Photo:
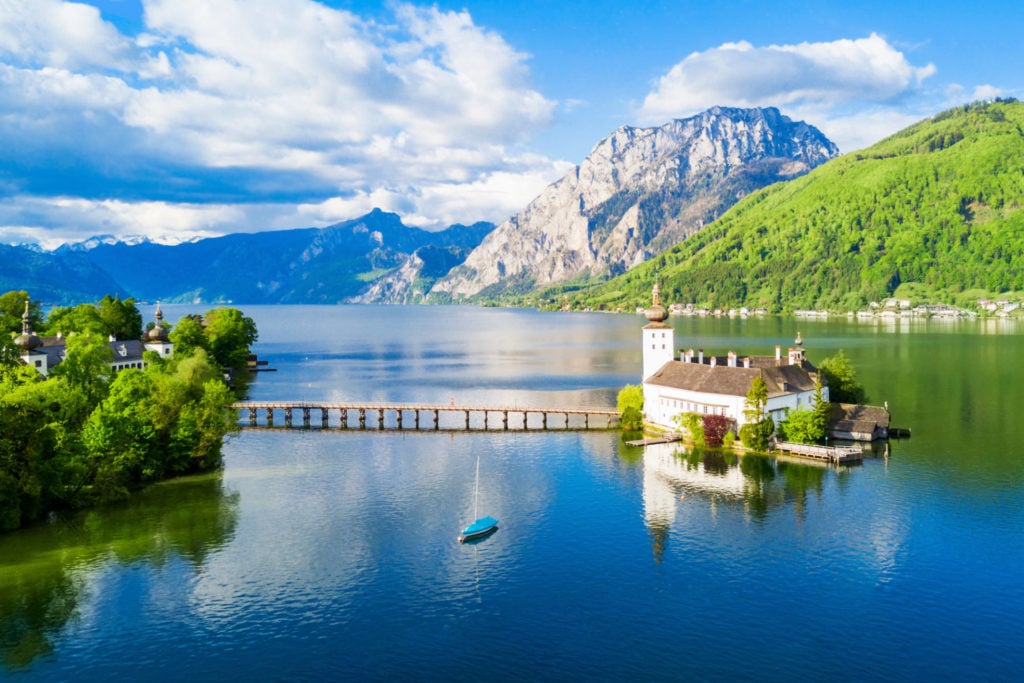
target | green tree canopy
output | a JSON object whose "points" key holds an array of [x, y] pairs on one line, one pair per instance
{"points": [[12, 307], [230, 335], [188, 335], [120, 318], [842, 379]]}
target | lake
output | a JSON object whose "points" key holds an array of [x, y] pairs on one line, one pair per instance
{"points": [[322, 554]]}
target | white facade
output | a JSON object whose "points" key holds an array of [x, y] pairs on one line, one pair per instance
{"points": [[659, 340], [711, 385]]}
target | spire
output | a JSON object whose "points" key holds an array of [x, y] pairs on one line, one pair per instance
{"points": [[157, 333], [656, 313], [26, 340]]}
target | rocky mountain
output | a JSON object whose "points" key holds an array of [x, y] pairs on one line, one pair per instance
{"points": [[372, 258], [640, 191], [931, 214]]}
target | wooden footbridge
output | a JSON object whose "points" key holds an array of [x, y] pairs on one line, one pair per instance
{"points": [[417, 416]]}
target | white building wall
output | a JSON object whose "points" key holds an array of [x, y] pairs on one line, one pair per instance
{"points": [[662, 404], [658, 348]]}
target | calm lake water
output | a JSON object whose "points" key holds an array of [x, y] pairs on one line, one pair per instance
{"points": [[332, 555]]}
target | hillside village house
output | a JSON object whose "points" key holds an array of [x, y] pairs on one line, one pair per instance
{"points": [[717, 385], [43, 353]]}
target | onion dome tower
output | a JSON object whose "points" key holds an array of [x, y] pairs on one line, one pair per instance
{"points": [[659, 338], [27, 341], [156, 339]]}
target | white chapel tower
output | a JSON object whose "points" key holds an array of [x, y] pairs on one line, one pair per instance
{"points": [[659, 338]]}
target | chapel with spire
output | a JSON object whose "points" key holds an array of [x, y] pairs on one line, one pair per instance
{"points": [[44, 353]]}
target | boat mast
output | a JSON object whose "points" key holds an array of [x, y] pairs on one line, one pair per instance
{"points": [[476, 488]]}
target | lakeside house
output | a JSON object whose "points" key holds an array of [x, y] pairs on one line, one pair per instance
{"points": [[686, 381], [44, 353]]}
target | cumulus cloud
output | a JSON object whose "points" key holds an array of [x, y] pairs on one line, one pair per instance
{"points": [[260, 101], [833, 80]]}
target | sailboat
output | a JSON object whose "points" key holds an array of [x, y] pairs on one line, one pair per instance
{"points": [[483, 525]]}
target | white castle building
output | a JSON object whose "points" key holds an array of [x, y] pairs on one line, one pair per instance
{"points": [[688, 382], [43, 353]]}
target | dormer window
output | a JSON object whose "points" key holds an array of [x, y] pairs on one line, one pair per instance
{"points": [[122, 351]]}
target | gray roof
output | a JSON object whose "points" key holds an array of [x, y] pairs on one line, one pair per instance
{"points": [[724, 380], [852, 418]]}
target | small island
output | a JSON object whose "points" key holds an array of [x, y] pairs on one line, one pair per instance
{"points": [[93, 407]]}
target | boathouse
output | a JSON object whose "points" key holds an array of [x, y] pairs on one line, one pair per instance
{"points": [[686, 381], [858, 422]]}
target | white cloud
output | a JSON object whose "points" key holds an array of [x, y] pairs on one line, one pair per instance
{"points": [[835, 80], [60, 34], [272, 100]]}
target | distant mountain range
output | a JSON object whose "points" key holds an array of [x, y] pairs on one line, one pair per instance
{"points": [[336, 264], [640, 191]]}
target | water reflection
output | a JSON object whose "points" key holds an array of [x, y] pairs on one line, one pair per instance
{"points": [[675, 476], [46, 571]]}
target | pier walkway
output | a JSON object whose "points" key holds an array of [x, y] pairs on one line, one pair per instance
{"points": [[829, 453], [422, 415]]}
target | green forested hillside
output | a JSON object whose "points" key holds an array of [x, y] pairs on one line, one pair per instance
{"points": [[939, 204]]}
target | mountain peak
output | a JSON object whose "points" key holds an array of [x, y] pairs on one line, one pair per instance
{"points": [[639, 191]]}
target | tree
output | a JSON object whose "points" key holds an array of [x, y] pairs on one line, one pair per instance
{"points": [[188, 335], [822, 409], [693, 424], [230, 334], [80, 318], [800, 427], [120, 318], [630, 403], [715, 428], [12, 307], [842, 380], [759, 427], [86, 364]]}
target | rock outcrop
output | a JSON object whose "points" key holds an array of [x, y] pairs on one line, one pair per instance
{"points": [[640, 191]]}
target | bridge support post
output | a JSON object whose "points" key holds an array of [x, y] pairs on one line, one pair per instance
{"points": [[343, 423], [305, 417], [362, 418], [544, 420], [467, 420], [270, 417], [398, 415], [252, 417], [380, 418], [417, 419], [485, 420], [323, 418], [435, 418], [567, 420], [287, 417], [504, 420]]}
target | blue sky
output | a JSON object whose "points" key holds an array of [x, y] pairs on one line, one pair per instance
{"points": [[177, 119]]}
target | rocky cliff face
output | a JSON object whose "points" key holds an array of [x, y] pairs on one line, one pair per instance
{"points": [[640, 191]]}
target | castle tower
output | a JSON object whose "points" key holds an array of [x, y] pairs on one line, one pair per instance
{"points": [[658, 338], [31, 345], [156, 339]]}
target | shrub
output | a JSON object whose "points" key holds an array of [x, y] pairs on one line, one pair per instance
{"points": [[715, 427]]}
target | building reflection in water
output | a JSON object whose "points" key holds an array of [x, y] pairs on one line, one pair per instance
{"points": [[676, 475]]}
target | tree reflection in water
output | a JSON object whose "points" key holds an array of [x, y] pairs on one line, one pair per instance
{"points": [[44, 570]]}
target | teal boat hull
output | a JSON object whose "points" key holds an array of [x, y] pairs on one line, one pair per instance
{"points": [[478, 529]]}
